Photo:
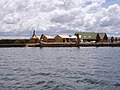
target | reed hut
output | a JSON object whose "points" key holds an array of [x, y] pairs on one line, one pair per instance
{"points": [[34, 38], [65, 38], [47, 38]]}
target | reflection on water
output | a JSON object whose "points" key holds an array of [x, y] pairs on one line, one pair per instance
{"points": [[85, 68]]}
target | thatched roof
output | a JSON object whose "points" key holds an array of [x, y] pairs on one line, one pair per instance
{"points": [[102, 35], [67, 36]]}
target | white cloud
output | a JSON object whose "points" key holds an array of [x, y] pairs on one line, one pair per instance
{"points": [[110, 21], [12, 18], [59, 16]]}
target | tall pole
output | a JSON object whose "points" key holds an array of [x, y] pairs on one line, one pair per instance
{"points": [[33, 33]]}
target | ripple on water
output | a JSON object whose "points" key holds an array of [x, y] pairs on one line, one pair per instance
{"points": [[49, 85], [41, 73], [117, 84], [9, 78], [63, 87], [92, 81], [85, 73], [40, 82]]}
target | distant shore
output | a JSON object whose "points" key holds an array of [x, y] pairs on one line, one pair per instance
{"points": [[90, 44], [79, 39]]}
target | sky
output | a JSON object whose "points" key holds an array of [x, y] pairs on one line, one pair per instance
{"points": [[21, 17]]}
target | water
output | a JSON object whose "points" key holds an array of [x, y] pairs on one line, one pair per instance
{"points": [[85, 68]]}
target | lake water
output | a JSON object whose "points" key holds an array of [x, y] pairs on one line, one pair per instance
{"points": [[84, 68]]}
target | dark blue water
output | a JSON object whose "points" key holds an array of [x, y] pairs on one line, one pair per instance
{"points": [[85, 68]]}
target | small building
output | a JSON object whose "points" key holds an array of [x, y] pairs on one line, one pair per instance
{"points": [[65, 38], [47, 38], [92, 36], [103, 37], [34, 38], [87, 36]]}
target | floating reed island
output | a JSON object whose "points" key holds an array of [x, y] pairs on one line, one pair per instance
{"points": [[79, 39]]}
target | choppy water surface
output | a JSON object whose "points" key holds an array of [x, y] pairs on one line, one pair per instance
{"points": [[85, 68]]}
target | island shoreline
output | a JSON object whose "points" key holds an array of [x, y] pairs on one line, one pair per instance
{"points": [[62, 45]]}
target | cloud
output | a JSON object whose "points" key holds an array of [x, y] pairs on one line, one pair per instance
{"points": [[112, 16], [59, 16], [63, 18], [11, 18]]}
